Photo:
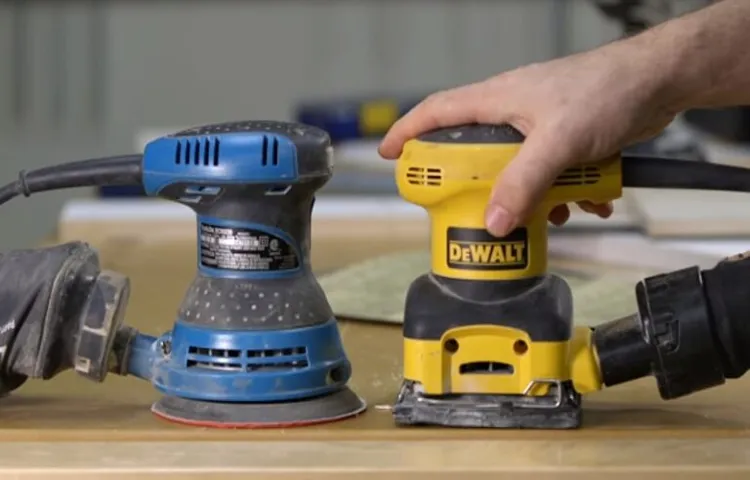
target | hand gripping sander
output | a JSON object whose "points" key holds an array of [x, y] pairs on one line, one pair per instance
{"points": [[255, 343], [489, 334]]}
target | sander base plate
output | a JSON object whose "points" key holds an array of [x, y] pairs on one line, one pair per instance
{"points": [[323, 409], [560, 410]]}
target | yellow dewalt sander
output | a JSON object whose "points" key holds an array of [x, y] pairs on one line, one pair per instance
{"points": [[489, 334]]}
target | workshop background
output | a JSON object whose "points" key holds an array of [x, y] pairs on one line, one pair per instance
{"points": [[81, 79]]}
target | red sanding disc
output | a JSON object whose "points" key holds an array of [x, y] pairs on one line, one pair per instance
{"points": [[318, 410]]}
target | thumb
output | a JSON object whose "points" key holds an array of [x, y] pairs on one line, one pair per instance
{"points": [[524, 182]]}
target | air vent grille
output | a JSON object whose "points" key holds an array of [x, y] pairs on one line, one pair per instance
{"points": [[270, 154], [248, 360], [576, 176], [424, 176], [198, 152]]}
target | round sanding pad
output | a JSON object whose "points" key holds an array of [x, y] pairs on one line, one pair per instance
{"points": [[328, 408]]}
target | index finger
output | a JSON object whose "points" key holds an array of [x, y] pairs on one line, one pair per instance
{"points": [[447, 108]]}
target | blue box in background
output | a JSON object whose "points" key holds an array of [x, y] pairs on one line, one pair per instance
{"points": [[355, 119]]}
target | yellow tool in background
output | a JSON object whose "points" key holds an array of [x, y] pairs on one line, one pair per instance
{"points": [[489, 335]]}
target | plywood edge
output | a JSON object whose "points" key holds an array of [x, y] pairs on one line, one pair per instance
{"points": [[696, 228], [694, 214]]}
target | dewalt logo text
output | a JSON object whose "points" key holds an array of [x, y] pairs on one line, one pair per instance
{"points": [[475, 249], [487, 253]]}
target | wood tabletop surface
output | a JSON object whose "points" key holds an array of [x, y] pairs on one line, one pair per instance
{"points": [[69, 427]]}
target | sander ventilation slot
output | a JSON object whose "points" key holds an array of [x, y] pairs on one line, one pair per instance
{"points": [[490, 368], [273, 155], [200, 151], [427, 177], [252, 361], [588, 175]]}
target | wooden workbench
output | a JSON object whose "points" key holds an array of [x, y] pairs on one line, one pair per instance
{"points": [[71, 428]]}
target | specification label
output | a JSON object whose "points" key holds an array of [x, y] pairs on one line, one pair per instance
{"points": [[245, 249]]}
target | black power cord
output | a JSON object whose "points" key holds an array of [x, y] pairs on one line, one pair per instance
{"points": [[659, 172], [123, 170]]}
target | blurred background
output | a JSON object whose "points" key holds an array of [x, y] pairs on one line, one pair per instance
{"points": [[81, 79]]}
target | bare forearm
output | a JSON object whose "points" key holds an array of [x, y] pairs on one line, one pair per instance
{"points": [[701, 60]]}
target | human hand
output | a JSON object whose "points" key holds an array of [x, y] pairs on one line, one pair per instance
{"points": [[572, 110]]}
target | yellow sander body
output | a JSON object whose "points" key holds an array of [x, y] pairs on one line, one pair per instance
{"points": [[489, 338]]}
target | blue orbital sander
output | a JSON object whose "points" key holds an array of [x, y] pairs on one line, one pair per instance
{"points": [[255, 343]]}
